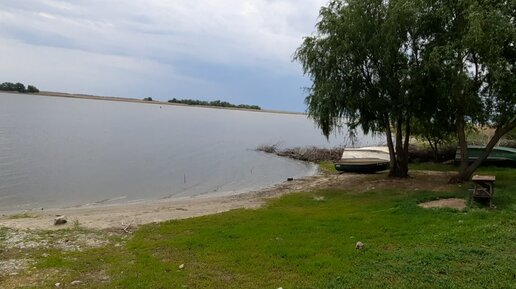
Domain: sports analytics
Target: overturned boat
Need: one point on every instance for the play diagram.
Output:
(377, 152)
(502, 156)
(364, 160)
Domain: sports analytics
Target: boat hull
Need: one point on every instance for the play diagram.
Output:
(501, 156)
(361, 165)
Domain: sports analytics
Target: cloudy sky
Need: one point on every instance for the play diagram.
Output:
(237, 51)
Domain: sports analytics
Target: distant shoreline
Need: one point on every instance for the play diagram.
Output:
(135, 100)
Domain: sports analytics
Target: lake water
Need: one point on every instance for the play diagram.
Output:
(60, 152)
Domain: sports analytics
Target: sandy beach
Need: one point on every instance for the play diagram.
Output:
(124, 216)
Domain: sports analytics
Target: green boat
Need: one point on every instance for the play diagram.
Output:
(499, 155)
(362, 165)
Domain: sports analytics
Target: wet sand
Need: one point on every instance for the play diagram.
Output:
(124, 216)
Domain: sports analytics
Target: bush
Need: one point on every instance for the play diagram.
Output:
(32, 89)
(217, 103)
(309, 154)
(18, 87)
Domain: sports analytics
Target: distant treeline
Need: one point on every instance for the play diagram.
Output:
(213, 103)
(19, 87)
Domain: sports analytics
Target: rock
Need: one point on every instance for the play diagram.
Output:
(60, 220)
(182, 266)
(359, 245)
(76, 282)
(57, 284)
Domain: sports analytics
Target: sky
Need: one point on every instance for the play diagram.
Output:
(232, 50)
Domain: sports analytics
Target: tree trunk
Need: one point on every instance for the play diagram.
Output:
(404, 164)
(463, 145)
(435, 149)
(392, 154)
(398, 150)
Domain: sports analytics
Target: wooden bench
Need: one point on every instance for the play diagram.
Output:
(484, 188)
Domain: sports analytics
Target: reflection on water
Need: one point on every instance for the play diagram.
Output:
(58, 152)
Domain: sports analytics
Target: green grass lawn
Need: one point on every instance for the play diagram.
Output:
(327, 167)
(307, 240)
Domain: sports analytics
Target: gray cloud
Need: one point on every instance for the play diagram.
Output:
(159, 34)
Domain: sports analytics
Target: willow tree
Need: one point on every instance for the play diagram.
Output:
(364, 60)
(473, 51)
(493, 26)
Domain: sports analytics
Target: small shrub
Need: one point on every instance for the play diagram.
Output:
(309, 154)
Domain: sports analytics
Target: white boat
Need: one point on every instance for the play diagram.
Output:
(375, 152)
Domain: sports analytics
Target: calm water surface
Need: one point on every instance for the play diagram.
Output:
(59, 152)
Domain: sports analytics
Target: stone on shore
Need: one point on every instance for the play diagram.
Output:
(60, 220)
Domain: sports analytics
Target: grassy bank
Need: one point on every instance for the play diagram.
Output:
(303, 240)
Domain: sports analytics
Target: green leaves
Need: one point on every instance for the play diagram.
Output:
(18, 87)
(436, 66)
(351, 61)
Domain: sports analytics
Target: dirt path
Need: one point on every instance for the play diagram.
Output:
(453, 203)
